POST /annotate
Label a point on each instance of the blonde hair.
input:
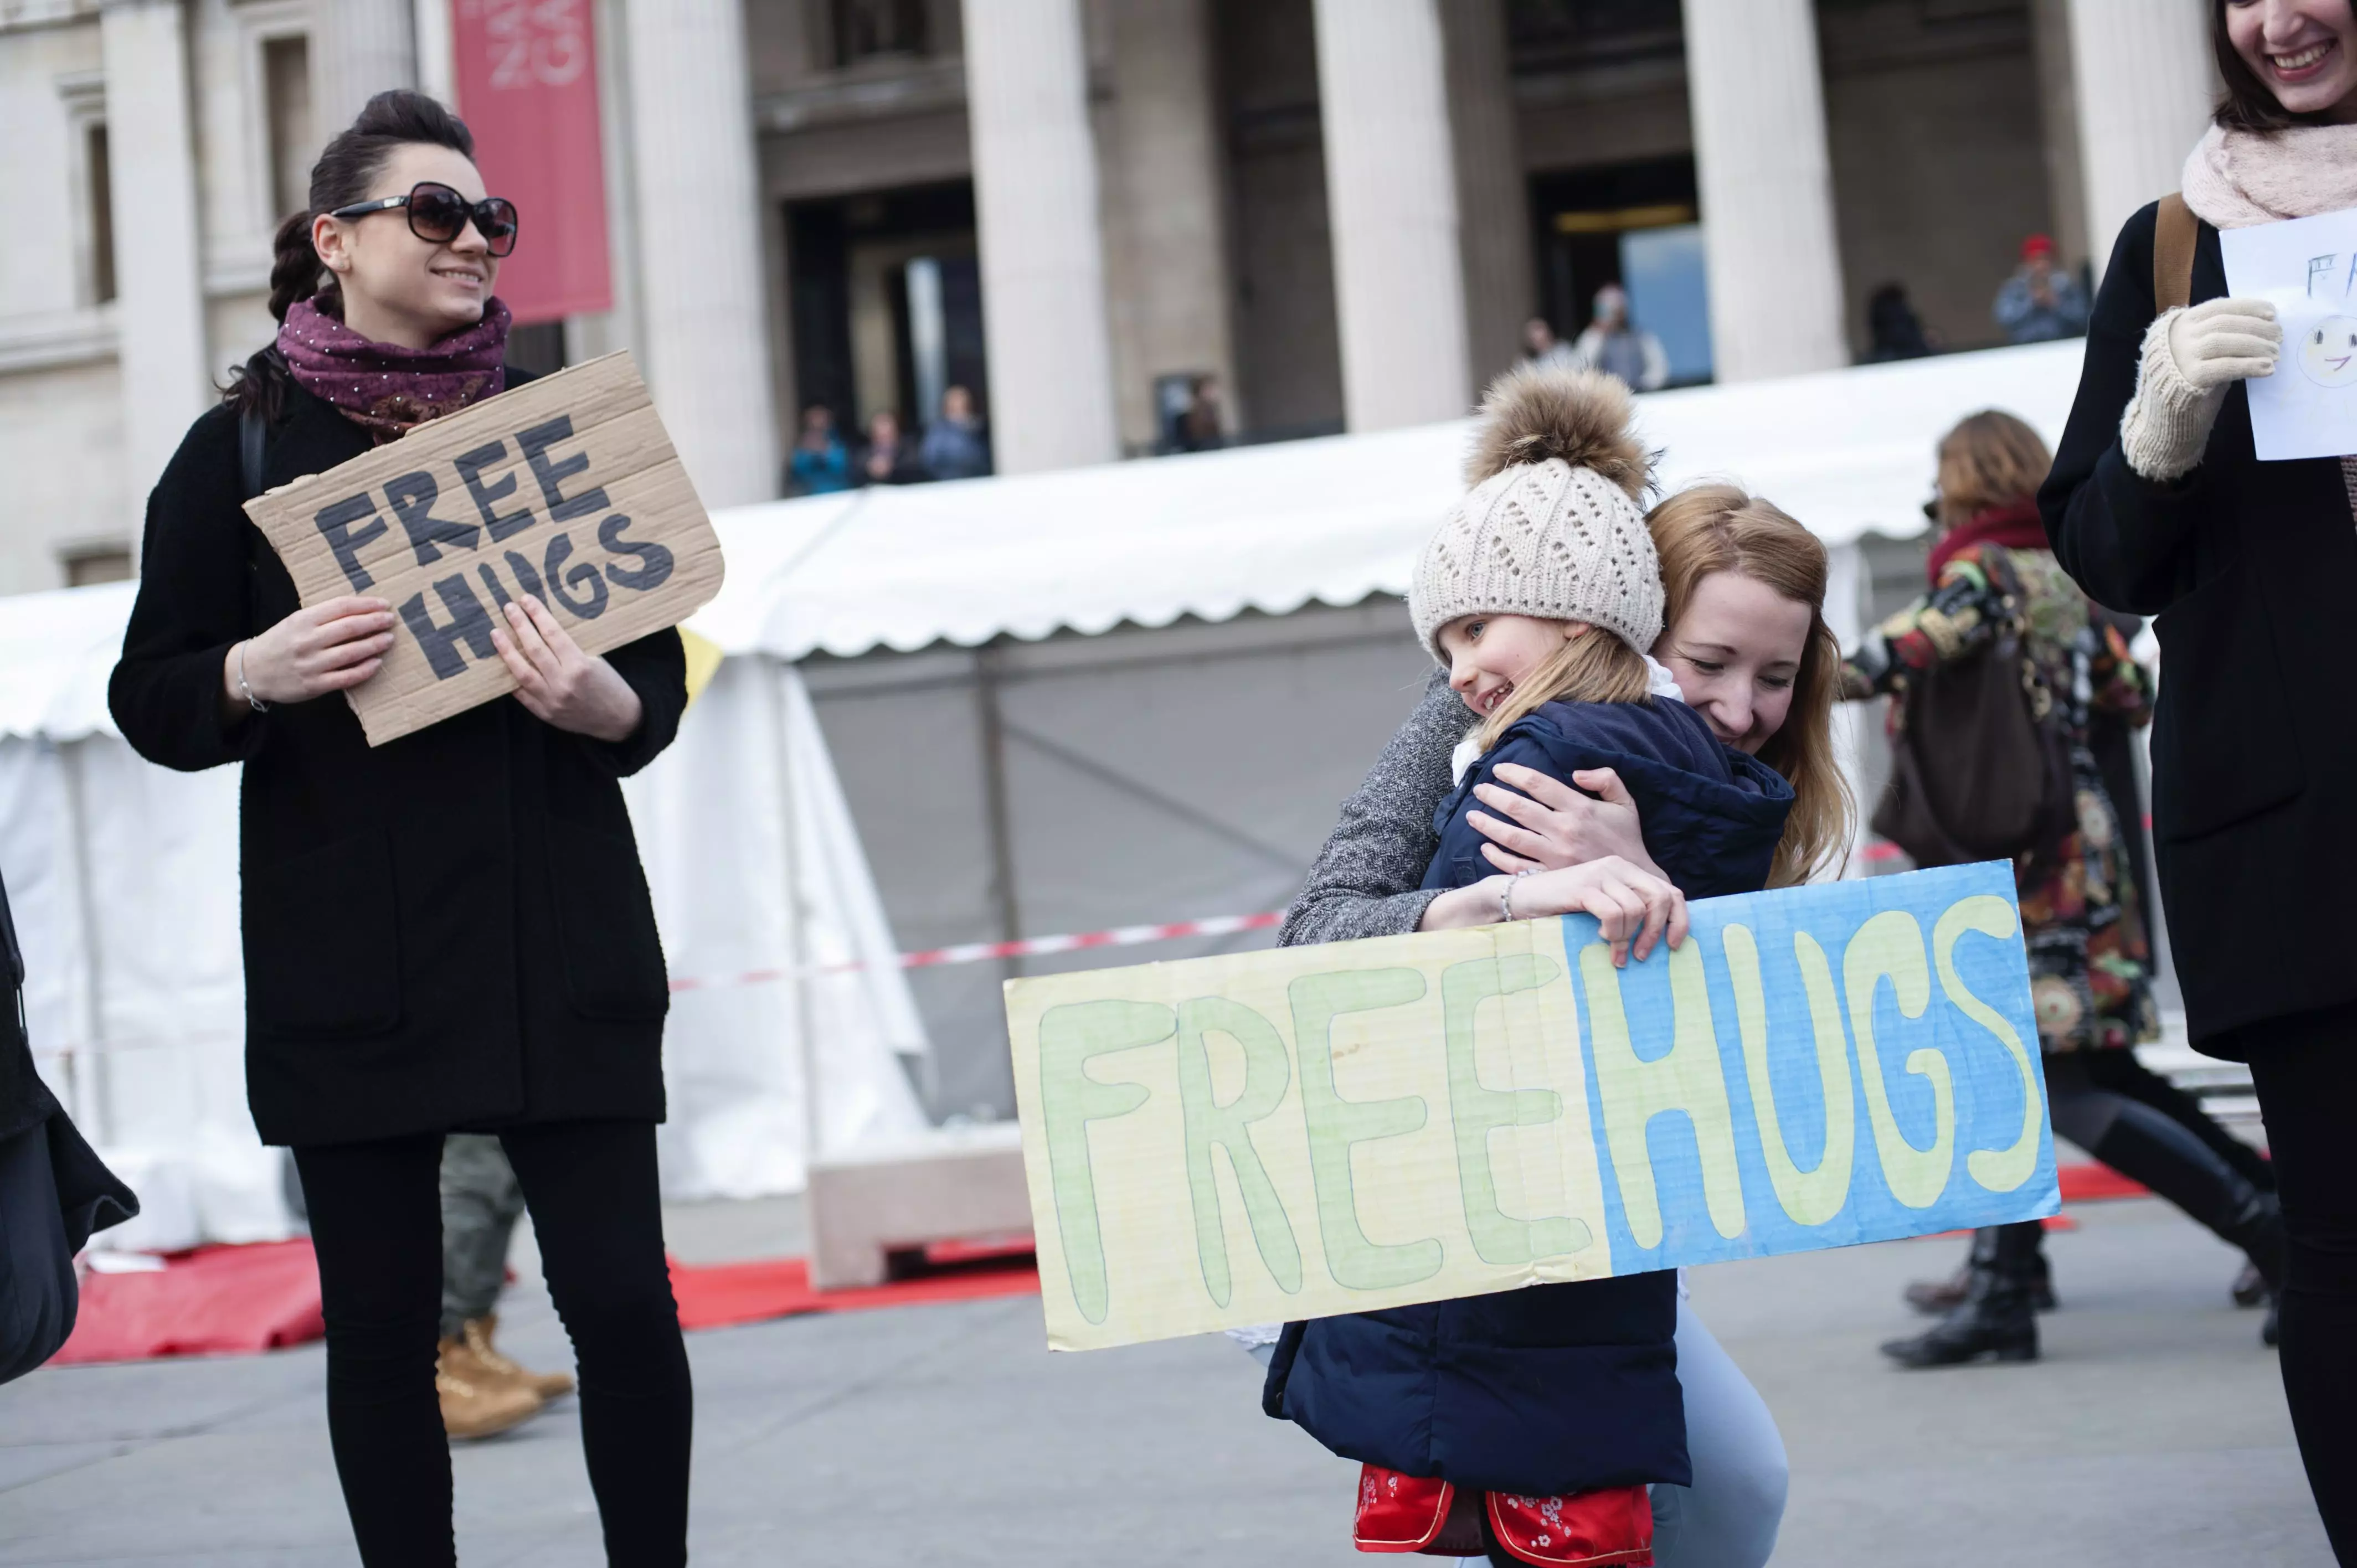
(1990, 459)
(1710, 528)
(1593, 667)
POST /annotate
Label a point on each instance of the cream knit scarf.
(2237, 178)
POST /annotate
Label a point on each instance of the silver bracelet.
(257, 703)
(1506, 894)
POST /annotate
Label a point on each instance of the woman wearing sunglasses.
(448, 932)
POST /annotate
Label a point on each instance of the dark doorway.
(887, 302)
(1635, 224)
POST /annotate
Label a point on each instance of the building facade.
(1334, 214)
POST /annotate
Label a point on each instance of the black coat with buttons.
(451, 930)
(2246, 566)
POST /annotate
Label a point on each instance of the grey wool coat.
(1365, 882)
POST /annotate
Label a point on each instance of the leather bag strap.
(2174, 231)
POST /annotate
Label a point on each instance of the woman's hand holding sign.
(559, 684)
(1550, 824)
(1635, 906)
(329, 646)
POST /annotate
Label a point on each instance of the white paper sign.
(2308, 268)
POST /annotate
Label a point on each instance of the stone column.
(1391, 201)
(1758, 110)
(1036, 212)
(1170, 302)
(1492, 201)
(359, 48)
(2142, 75)
(2058, 125)
(701, 312)
(158, 264)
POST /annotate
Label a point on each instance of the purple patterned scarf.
(384, 388)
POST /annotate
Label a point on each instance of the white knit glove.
(2190, 358)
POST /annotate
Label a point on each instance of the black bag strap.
(250, 433)
(250, 430)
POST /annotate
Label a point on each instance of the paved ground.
(2153, 1435)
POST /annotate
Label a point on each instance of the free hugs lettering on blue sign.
(1850, 1062)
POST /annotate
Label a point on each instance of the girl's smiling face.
(1736, 653)
(1489, 654)
(2305, 51)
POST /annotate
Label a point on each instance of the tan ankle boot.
(477, 1359)
(471, 1409)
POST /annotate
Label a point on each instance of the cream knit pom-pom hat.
(1552, 527)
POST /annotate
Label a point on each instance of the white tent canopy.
(1330, 520)
(747, 834)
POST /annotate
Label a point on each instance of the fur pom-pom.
(1585, 417)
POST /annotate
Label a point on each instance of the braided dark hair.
(346, 169)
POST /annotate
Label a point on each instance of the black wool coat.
(451, 930)
(2248, 566)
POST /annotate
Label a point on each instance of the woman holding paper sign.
(2158, 504)
(451, 931)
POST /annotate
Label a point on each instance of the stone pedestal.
(1035, 210)
(2143, 89)
(158, 265)
(1758, 111)
(1391, 198)
(704, 342)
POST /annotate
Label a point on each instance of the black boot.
(1995, 1318)
(1937, 1298)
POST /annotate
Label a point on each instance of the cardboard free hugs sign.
(1289, 1135)
(566, 488)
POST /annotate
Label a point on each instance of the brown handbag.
(1981, 764)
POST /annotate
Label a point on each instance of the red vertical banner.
(527, 75)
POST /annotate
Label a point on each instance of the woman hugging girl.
(1529, 1424)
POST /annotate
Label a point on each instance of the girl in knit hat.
(1528, 1423)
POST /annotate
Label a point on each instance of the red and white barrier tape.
(1079, 941)
(982, 952)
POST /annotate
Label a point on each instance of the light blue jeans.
(1728, 1518)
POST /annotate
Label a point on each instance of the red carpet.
(212, 1302)
(243, 1300)
(715, 1296)
(2090, 1183)
(235, 1300)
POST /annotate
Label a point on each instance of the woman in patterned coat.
(2090, 959)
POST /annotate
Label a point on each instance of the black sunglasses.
(439, 214)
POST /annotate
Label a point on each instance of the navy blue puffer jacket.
(1562, 1387)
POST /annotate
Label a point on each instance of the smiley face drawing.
(2328, 351)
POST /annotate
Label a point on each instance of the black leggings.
(376, 1221)
(2306, 1070)
(2121, 1073)
(2167, 1153)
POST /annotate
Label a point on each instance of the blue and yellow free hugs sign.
(1308, 1130)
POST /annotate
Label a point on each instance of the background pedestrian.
(2040, 302)
(888, 458)
(955, 446)
(819, 464)
(483, 1392)
(2083, 921)
(1618, 347)
(54, 1192)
